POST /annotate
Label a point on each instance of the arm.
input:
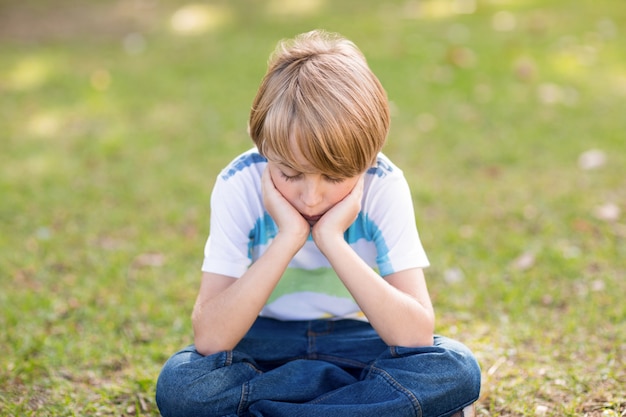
(226, 307)
(398, 307)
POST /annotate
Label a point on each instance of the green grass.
(113, 127)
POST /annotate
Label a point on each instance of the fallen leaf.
(592, 159)
(453, 275)
(609, 212)
(598, 285)
(150, 259)
(525, 261)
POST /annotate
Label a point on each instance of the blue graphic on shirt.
(381, 169)
(364, 228)
(242, 163)
(265, 229)
(263, 232)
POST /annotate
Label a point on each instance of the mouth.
(311, 219)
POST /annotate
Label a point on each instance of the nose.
(311, 194)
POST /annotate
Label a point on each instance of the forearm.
(221, 321)
(399, 318)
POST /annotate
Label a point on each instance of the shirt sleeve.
(236, 205)
(389, 206)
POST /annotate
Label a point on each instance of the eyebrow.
(286, 165)
(303, 170)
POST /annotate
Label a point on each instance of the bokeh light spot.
(295, 7)
(503, 21)
(195, 18)
(28, 73)
(435, 9)
(44, 125)
(464, 6)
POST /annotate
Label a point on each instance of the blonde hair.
(320, 97)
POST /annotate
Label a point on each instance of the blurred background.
(508, 118)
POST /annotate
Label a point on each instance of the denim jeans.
(319, 369)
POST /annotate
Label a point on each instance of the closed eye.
(334, 180)
(290, 177)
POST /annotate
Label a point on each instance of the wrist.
(291, 240)
(328, 243)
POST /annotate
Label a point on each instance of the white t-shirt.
(384, 235)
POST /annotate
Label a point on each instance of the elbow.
(425, 339)
(202, 345)
(421, 339)
(207, 345)
(421, 334)
(426, 332)
(206, 349)
(213, 336)
(206, 340)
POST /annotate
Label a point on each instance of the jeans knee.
(468, 369)
(168, 396)
(194, 385)
(472, 377)
(178, 396)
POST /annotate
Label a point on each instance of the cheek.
(286, 189)
(340, 192)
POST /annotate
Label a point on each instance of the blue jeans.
(319, 368)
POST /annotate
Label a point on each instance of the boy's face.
(311, 193)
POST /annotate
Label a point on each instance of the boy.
(313, 301)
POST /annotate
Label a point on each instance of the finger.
(266, 178)
(360, 185)
(357, 190)
(267, 183)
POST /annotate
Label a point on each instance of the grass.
(113, 126)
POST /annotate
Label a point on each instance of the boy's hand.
(336, 221)
(287, 218)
